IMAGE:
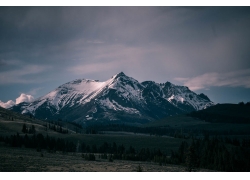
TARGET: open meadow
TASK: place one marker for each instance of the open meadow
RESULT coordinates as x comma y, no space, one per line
29,160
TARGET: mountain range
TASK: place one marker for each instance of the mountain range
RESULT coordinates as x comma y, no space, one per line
120,98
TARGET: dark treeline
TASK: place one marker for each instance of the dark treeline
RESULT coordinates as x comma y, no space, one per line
95,129
215,153
219,118
51,144
30,130
59,126
161,131
224,113
75,124
39,142
56,126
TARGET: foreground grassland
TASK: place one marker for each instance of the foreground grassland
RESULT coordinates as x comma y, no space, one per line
10,127
165,144
29,160
180,143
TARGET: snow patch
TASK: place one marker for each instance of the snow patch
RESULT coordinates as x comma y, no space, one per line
82,91
106,103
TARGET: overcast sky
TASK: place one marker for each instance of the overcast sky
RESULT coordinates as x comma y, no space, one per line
204,48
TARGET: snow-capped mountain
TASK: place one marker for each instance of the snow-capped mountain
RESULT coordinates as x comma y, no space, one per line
180,96
120,98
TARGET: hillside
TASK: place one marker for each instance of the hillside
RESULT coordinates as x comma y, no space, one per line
224,113
12,122
179,121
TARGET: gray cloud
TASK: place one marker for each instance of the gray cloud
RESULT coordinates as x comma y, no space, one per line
21,75
34,91
233,79
2,63
22,98
8,104
148,43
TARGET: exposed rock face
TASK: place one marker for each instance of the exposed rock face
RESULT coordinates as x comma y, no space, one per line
120,98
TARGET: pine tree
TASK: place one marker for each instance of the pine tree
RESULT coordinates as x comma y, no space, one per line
24,129
33,129
191,158
139,168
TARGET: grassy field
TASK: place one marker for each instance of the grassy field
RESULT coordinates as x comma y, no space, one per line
165,144
24,159
179,121
29,160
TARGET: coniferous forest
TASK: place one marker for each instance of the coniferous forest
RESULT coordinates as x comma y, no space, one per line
219,154
220,149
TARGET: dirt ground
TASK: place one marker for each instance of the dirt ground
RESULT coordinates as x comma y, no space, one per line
29,160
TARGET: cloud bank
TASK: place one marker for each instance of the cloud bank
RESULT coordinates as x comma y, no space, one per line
22,98
21,73
47,46
8,104
231,79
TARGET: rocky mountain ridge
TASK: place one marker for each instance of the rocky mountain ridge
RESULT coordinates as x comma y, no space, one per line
120,98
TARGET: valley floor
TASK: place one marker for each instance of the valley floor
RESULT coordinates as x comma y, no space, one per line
29,160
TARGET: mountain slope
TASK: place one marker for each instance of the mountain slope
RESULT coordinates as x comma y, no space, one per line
180,96
120,98
224,113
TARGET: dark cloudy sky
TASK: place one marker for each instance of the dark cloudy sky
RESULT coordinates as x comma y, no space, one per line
204,48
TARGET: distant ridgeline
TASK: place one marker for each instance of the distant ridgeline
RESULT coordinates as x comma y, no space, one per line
224,113
121,99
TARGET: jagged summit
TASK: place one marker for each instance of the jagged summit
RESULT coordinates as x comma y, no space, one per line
204,96
120,74
119,98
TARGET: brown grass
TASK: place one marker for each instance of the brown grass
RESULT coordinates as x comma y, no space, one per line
165,144
29,160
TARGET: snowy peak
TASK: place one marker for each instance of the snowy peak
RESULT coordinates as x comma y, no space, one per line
119,98
119,75
82,91
180,96
123,78
78,91
203,96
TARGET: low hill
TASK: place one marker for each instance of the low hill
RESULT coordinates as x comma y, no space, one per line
12,122
224,113
179,121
